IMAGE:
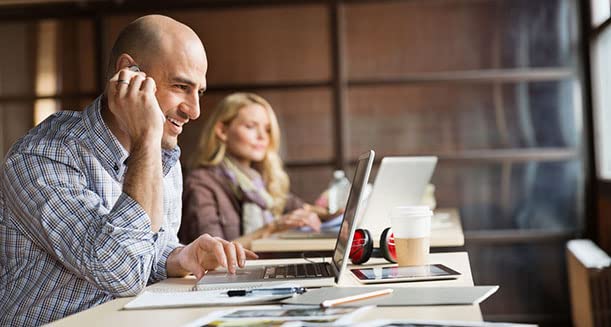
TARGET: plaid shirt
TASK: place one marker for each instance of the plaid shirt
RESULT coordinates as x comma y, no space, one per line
70,238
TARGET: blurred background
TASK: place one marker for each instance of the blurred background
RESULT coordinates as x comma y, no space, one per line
509,94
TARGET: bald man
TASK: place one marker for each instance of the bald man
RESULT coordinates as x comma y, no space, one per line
91,200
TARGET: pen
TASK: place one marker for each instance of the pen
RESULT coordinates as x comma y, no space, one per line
195,288
357,297
268,291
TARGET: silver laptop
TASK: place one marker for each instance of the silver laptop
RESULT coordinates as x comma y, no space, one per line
400,181
304,274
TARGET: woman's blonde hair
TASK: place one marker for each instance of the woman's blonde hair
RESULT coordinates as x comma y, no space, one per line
212,150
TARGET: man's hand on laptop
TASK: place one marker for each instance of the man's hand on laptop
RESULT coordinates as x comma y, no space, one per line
208,253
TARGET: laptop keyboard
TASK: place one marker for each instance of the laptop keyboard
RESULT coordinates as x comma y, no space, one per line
302,270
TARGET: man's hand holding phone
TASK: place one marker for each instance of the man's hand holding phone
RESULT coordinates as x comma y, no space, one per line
131,99
136,111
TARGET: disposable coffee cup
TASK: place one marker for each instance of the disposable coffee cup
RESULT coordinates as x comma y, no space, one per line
411,227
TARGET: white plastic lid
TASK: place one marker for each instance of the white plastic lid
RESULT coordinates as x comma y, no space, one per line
408,211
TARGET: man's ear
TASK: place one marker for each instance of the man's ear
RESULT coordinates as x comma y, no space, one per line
124,61
220,129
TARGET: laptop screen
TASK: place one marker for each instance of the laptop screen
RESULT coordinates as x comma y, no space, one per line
346,231
399,181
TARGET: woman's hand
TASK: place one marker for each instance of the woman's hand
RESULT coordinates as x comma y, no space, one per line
297,218
323,213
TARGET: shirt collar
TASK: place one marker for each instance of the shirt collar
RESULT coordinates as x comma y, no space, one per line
111,154
169,158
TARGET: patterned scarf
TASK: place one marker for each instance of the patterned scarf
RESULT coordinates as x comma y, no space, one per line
249,188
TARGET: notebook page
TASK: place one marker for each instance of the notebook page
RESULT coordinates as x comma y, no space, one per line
152,300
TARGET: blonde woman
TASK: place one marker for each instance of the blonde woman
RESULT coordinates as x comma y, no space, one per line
237,188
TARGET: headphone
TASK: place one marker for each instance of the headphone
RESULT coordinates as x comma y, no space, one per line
362,247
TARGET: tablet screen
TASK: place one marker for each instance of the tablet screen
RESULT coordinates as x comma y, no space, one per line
415,273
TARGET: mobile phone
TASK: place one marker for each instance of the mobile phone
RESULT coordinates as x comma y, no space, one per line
136,68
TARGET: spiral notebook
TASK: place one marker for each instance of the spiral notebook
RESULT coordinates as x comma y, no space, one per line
180,299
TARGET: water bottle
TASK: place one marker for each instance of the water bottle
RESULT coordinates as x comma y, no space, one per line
339,189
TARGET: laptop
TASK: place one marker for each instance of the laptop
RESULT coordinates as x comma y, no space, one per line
303,274
400,181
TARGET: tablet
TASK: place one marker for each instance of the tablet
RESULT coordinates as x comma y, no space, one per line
404,274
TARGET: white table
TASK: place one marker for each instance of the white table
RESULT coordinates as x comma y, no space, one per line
111,313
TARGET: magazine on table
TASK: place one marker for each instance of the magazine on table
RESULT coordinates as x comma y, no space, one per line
279,316
437,323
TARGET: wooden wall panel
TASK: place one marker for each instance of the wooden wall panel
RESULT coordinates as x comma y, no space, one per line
76,62
263,44
394,38
16,70
399,120
16,78
450,118
76,52
305,122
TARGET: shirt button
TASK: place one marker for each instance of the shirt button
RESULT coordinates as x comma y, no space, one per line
116,167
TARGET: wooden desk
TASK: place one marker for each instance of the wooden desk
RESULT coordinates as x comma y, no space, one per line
446,231
110,313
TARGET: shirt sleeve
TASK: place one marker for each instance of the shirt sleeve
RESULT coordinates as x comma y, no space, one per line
293,203
159,268
111,247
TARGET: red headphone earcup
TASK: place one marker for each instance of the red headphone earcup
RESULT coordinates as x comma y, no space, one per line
361,248
387,245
